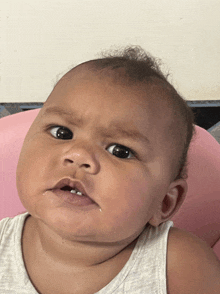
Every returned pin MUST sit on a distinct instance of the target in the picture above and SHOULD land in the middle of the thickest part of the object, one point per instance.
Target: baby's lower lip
(72, 198)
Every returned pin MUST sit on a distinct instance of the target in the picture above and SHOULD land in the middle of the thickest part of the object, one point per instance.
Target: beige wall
(41, 39)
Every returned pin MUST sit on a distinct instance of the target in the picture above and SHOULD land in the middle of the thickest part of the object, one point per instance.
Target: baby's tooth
(76, 192)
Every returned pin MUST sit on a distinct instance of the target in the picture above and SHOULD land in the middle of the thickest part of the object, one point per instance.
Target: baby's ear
(170, 203)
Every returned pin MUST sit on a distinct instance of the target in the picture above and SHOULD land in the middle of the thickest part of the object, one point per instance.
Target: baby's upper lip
(73, 183)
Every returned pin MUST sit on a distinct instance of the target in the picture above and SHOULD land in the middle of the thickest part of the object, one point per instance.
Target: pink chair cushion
(199, 214)
(13, 129)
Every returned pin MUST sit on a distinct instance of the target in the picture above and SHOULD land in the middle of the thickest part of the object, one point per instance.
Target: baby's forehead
(150, 97)
(153, 94)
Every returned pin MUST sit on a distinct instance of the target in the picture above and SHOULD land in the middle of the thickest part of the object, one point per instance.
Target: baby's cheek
(28, 170)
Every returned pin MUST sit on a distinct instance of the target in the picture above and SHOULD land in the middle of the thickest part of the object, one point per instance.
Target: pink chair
(199, 214)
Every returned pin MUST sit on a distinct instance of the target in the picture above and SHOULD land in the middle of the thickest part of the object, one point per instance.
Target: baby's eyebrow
(115, 129)
(70, 115)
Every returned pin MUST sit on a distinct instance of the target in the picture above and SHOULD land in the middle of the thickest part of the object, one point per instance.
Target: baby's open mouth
(72, 190)
(73, 186)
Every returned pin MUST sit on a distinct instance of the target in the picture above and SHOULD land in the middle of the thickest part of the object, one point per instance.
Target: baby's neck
(75, 254)
(70, 267)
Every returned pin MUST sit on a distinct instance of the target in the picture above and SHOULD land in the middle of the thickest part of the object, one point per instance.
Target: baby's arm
(192, 266)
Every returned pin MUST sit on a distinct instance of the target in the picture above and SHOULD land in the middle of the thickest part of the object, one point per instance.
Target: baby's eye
(61, 133)
(120, 151)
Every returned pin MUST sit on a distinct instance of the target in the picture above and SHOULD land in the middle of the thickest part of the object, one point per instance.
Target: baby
(101, 172)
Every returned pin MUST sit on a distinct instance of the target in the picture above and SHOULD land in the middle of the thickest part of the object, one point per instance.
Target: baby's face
(113, 142)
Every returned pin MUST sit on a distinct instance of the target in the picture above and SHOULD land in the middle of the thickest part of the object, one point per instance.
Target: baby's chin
(81, 228)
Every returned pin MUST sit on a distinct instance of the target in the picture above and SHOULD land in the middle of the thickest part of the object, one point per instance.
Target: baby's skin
(96, 167)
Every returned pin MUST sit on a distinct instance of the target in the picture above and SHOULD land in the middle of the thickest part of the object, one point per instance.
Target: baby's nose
(83, 157)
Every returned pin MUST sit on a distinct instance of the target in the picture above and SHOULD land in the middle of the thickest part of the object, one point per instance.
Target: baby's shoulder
(3, 224)
(192, 267)
(11, 227)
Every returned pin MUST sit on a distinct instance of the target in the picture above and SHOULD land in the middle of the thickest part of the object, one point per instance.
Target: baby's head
(117, 131)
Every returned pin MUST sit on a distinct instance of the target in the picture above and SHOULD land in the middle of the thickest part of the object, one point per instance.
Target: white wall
(41, 39)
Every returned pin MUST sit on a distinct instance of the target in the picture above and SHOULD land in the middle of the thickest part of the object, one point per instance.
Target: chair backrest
(13, 129)
(199, 214)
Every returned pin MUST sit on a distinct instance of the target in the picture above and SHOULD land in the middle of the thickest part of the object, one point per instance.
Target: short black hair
(141, 66)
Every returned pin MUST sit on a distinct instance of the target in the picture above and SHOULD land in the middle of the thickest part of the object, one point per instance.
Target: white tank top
(144, 272)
